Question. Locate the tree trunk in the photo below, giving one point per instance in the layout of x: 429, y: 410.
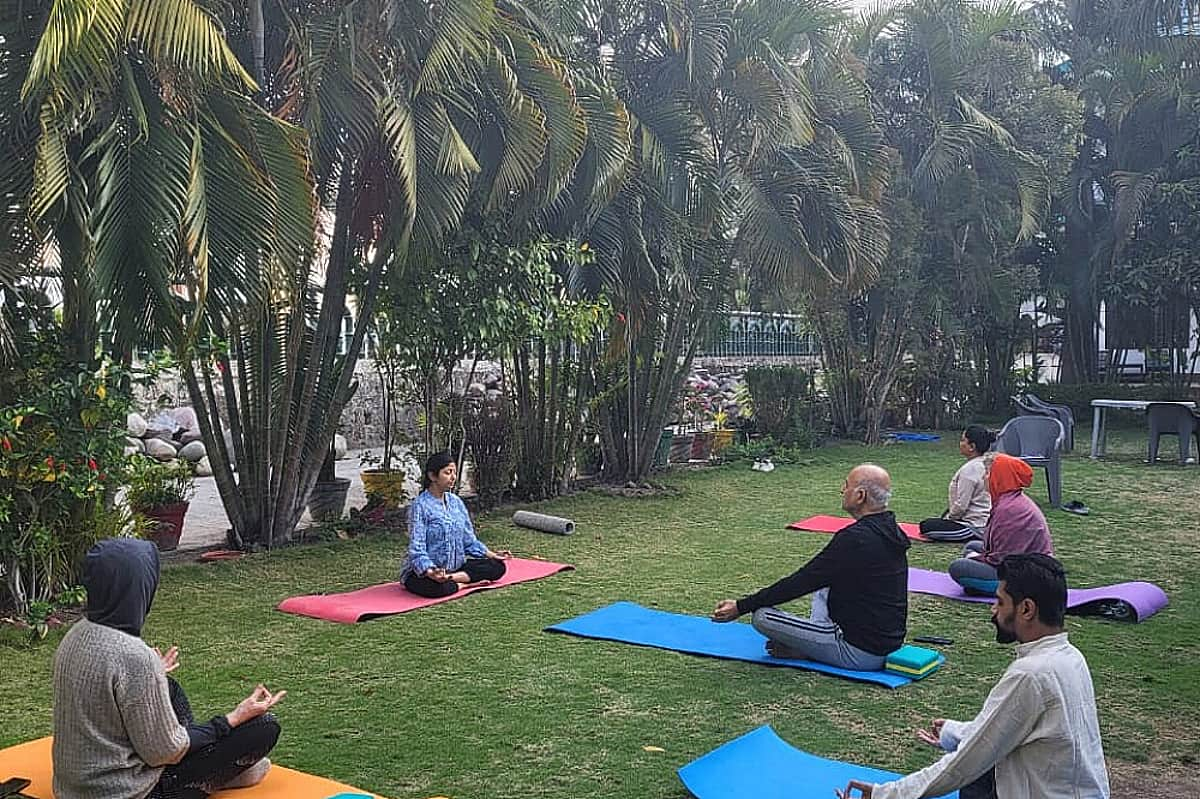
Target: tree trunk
x: 1080, y: 349
x: 257, y: 43
x: 290, y: 389
x: 653, y: 367
x: 79, y: 298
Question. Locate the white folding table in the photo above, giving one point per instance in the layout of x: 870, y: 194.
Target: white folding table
x: 1100, y: 428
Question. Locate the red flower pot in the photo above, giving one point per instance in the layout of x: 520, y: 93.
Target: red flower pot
x: 168, y: 525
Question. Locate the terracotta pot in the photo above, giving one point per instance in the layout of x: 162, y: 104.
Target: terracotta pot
x: 386, y: 486
x: 168, y: 525
x: 328, y: 500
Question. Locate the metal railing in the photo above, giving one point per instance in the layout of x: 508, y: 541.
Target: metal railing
x: 763, y: 335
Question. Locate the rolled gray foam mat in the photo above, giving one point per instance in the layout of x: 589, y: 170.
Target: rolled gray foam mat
x: 540, y: 521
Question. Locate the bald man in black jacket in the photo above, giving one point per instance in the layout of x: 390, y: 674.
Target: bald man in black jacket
x: 859, y: 583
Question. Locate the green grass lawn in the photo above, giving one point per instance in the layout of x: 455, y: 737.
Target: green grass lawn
x: 472, y: 699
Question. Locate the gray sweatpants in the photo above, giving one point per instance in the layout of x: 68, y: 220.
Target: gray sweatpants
x: 815, y: 638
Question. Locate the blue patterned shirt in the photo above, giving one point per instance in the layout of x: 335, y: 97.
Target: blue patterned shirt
x: 440, y: 535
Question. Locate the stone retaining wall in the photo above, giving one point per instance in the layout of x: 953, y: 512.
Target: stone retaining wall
x: 362, y: 419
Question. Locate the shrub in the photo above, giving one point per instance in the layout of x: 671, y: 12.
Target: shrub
x: 153, y: 485
x: 492, y: 443
x: 765, y: 447
x: 786, y: 405
x: 62, y: 439
x: 931, y: 397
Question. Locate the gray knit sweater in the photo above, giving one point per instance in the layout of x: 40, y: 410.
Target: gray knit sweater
x: 114, y: 729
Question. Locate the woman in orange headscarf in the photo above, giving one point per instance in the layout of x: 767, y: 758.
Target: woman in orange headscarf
x: 1016, y: 526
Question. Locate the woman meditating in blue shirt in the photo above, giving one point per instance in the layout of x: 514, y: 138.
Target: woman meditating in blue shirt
x: 443, y: 551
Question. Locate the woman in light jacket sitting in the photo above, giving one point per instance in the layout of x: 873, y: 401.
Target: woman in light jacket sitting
x: 970, y: 502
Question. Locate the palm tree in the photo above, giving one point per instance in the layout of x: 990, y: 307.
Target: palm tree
x: 142, y: 167
x: 1134, y: 67
x: 730, y: 165
x: 930, y: 63
x: 936, y: 68
x: 417, y: 114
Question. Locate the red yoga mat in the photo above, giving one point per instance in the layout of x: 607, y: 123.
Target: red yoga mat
x: 391, y: 598
x: 831, y: 524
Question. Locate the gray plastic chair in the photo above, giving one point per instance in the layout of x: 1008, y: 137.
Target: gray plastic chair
x: 1060, y: 412
x: 1038, y: 441
x: 1169, y: 419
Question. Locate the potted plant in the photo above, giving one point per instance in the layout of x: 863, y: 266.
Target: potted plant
x: 702, y: 441
x: 384, y: 475
x: 327, y: 501
x: 683, y: 439
x: 723, y: 435
x: 383, y: 482
x: 160, y: 493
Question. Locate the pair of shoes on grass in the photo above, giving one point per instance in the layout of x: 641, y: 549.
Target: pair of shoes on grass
x: 763, y: 465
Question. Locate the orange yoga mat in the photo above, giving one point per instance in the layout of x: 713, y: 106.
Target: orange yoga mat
x: 32, y: 761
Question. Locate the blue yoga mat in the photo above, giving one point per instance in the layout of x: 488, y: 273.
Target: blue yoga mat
x: 631, y: 623
x: 912, y: 436
x: 762, y: 765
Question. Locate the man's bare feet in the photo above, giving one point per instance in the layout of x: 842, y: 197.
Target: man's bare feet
x: 778, y: 650
x: 462, y: 578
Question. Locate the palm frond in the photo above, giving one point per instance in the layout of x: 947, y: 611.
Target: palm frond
x: 184, y: 35
x: 461, y: 41
x: 545, y: 80
x: 523, y: 138
x: 78, y: 48
x: 986, y: 127
x: 52, y: 165
x: 1033, y: 191
x: 953, y: 145
x: 1133, y: 190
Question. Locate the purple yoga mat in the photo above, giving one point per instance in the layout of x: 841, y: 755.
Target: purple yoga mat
x: 1141, y: 600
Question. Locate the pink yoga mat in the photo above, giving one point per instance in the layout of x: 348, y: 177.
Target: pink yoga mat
x: 391, y: 598
x: 831, y: 524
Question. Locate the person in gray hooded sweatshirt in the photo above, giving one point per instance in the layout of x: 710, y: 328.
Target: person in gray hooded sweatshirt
x: 122, y: 728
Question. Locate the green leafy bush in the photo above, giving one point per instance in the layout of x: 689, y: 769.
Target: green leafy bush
x: 490, y: 428
x: 786, y: 405
x: 153, y: 485
x: 776, y: 391
x: 62, y: 439
x: 766, y: 447
x: 932, y: 396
